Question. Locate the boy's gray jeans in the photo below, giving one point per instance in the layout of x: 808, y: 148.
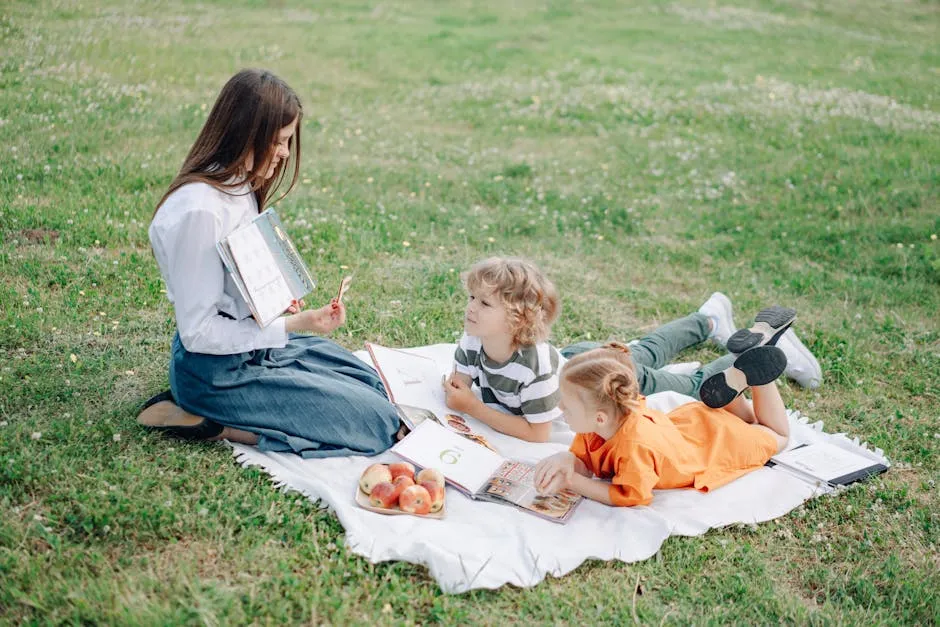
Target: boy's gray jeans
x: 659, y: 348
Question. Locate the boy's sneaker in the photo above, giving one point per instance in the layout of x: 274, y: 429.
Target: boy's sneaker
x: 758, y: 366
x: 718, y: 309
x: 802, y: 366
x: 769, y: 325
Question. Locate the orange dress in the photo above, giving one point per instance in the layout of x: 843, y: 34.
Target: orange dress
x: 694, y: 446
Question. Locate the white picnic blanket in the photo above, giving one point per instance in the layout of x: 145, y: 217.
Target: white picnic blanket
x: 487, y: 545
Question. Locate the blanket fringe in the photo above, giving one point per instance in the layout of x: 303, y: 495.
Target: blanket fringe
x: 248, y: 459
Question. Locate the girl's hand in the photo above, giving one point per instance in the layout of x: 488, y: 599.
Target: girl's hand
x: 457, y: 394
x: 324, y: 320
x: 554, y: 473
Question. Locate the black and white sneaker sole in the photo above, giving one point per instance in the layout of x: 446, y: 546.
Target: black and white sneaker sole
x: 758, y: 366
x: 769, y: 325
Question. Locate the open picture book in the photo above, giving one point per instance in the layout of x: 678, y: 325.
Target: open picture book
x: 441, y: 439
x: 413, y: 384
x: 265, y: 266
x: 481, y: 473
x: 824, y: 462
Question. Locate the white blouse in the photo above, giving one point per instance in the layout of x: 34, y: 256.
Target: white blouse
x: 183, y: 235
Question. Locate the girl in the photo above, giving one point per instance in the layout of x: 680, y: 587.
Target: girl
x: 229, y: 378
x: 633, y: 450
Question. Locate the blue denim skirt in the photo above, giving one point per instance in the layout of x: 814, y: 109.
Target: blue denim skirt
x: 312, y: 397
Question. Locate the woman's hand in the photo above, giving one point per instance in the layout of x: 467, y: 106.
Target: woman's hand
x: 324, y: 320
x: 296, y: 306
x: 457, y: 394
x: 554, y: 473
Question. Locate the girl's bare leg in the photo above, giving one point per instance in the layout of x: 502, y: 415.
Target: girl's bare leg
x: 771, y: 413
x: 742, y: 408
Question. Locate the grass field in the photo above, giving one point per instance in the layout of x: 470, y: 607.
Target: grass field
x: 645, y: 154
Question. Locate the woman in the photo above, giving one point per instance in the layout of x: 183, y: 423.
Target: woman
x: 229, y: 378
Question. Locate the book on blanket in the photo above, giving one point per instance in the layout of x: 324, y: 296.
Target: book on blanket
x: 827, y: 463
x: 483, y: 474
x: 265, y: 266
x: 413, y: 384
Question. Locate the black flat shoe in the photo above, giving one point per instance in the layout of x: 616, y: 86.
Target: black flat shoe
x: 158, y: 398
x: 769, y: 325
x: 758, y: 366
x: 161, y: 413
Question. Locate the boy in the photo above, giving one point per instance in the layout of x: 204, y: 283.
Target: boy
x: 510, y: 309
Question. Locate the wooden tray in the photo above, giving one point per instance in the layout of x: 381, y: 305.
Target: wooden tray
x: 362, y: 500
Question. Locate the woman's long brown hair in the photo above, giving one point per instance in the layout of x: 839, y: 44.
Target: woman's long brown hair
x: 245, y: 119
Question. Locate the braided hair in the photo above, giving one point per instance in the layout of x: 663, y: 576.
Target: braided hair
x: 606, y: 378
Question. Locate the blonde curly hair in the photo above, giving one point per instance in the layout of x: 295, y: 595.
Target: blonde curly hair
x: 531, y: 300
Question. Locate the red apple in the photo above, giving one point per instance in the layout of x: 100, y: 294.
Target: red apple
x: 402, y: 468
x: 415, y: 500
x: 403, y: 481
x: 384, y: 494
x: 373, y: 475
x: 430, y: 474
x: 437, y: 494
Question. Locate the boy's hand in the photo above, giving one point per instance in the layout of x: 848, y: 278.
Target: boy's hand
x: 554, y: 473
x: 458, y: 395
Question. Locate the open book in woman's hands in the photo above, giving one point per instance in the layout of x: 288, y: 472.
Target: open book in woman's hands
x: 265, y: 266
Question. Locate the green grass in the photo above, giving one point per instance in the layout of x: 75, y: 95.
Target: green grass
x: 645, y: 154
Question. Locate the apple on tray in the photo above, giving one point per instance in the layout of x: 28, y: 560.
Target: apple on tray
x: 399, y: 469
x: 436, y: 492
x: 431, y: 474
x: 374, y: 475
x: 415, y: 499
x: 385, y: 495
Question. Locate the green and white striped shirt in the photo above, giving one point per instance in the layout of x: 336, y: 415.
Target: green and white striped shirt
x: 526, y: 385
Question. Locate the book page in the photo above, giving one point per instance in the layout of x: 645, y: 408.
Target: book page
x: 410, y: 379
x: 514, y: 482
x: 260, y: 273
x: 413, y: 416
x: 825, y: 461
x: 463, y: 463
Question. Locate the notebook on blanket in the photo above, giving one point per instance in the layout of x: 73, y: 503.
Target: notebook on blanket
x: 827, y: 463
